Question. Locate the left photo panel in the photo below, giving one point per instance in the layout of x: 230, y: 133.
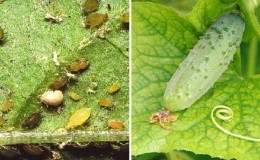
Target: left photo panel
x: 64, y: 90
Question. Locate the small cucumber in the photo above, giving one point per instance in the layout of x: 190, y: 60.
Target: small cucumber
x: 205, y: 63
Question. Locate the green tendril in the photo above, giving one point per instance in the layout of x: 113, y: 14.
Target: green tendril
x: 226, y: 114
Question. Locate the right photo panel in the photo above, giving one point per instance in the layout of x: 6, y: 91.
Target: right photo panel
x: 195, y: 79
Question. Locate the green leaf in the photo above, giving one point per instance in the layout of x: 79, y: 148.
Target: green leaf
x: 157, y: 34
x: 250, y: 13
x: 27, y: 68
x: 205, y: 11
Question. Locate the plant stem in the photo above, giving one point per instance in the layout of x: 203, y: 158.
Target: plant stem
x: 58, y: 137
x: 252, y: 57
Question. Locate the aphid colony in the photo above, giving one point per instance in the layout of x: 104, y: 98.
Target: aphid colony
x: 53, y: 152
x: 53, y: 97
x: 93, y: 20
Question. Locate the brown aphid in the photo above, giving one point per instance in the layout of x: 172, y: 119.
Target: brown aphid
x: 95, y: 19
x: 115, y: 124
x: 7, y: 105
x: 9, y: 152
x: 100, y: 144
x: 33, y: 149
x: 79, y: 65
x: 59, y: 83
x: 74, y: 96
x: 105, y: 103
x: 2, y: 34
x: 2, y: 121
x: 32, y: 121
x: 90, y: 6
x: 109, y: 7
x: 114, y: 88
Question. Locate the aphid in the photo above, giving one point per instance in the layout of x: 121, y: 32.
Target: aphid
x: 80, y: 145
x: 79, y: 65
x: 52, y: 98
x: 33, y: 149
x: 9, y: 152
x: 59, y: 83
x: 78, y: 118
x: 95, y: 19
x: 74, y: 96
x: 90, y: 6
x: 7, y: 105
x: 114, y: 88
x: 32, y: 121
x: 124, y: 18
x: 9, y: 129
x: 115, y: 124
x: 53, y: 19
x: 2, y: 34
x: 105, y: 103
x: 120, y: 146
x: 100, y: 144
x: 2, y: 121
x: 109, y: 7
x: 161, y: 117
x: 205, y: 63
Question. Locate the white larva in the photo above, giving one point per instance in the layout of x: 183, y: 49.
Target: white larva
x: 205, y: 63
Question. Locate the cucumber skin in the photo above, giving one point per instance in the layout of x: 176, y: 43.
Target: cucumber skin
x: 205, y: 63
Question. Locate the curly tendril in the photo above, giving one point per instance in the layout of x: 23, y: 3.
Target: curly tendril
x: 226, y: 114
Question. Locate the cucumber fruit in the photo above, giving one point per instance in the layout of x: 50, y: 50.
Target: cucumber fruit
x: 205, y: 63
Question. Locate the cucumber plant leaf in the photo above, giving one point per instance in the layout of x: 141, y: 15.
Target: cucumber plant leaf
x: 161, y: 40
x: 28, y: 68
x: 249, y: 9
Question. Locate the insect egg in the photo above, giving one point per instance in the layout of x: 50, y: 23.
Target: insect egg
x: 52, y: 98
